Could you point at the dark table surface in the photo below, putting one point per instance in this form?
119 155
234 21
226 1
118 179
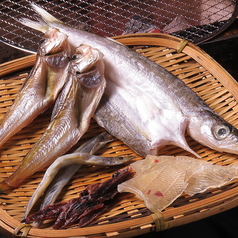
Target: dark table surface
224 49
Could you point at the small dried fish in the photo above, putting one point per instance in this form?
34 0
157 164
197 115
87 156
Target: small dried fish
62 178
78 158
64 175
42 85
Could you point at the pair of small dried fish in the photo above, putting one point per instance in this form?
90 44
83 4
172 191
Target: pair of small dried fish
75 86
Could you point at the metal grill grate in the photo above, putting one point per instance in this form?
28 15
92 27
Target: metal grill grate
195 20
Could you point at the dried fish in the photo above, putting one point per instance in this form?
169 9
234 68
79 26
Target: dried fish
42 85
81 157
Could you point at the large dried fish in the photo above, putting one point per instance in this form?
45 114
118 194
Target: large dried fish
144 105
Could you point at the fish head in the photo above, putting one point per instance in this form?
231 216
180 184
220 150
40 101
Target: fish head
87 67
214 132
53 42
85 57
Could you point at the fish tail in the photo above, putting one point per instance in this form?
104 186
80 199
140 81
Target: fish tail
44 21
39 25
16 178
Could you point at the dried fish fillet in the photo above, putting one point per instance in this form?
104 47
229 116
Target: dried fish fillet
160 180
210 176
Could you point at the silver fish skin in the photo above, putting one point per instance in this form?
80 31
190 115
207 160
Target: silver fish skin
71 116
41 87
144 105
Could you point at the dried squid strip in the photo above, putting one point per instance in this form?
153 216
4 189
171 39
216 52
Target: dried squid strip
94 200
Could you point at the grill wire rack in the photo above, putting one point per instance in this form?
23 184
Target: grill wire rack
196 20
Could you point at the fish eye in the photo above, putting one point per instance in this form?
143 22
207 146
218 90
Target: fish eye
221 131
77 56
74 57
42 41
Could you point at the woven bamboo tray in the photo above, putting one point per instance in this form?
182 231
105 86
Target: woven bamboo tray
128 217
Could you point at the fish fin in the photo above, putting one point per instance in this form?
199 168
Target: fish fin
47 17
43 22
16 47
4 187
61 99
167 133
39 25
180 139
182 143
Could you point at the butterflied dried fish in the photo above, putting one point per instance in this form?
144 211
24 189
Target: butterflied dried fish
71 116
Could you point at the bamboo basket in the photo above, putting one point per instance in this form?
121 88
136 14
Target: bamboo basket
128 217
